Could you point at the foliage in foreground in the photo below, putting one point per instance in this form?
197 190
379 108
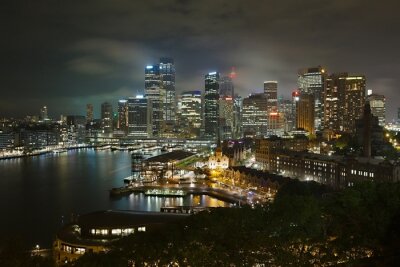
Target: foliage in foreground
304 226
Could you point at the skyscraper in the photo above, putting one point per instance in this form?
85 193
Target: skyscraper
226 88
107 117
377 105
156 95
190 110
167 77
89 113
344 102
43 113
313 81
122 124
305 112
271 93
226 115
140 117
211 105
255 115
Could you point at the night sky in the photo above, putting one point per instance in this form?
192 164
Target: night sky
66 53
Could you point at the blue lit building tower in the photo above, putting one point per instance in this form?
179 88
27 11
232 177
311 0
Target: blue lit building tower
211 107
167 77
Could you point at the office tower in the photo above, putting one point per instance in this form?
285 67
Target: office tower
107 117
190 110
226 115
152 77
238 108
275 126
122 123
344 102
140 117
288 109
271 93
157 97
89 113
305 112
226 88
167 77
377 105
43 113
211 107
313 81
255 115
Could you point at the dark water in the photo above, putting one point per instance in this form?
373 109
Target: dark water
39 194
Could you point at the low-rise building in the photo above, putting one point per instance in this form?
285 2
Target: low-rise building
95 232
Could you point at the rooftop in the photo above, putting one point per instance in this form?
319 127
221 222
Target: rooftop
171 156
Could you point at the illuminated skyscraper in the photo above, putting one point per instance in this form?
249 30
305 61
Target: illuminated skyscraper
344 102
167 77
190 110
377 104
107 117
255 115
139 117
156 95
160 88
122 124
271 93
89 113
227 116
211 105
305 113
43 113
313 81
226 88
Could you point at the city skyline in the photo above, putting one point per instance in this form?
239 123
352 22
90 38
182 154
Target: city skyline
56 57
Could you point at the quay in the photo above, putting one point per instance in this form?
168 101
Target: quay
165 191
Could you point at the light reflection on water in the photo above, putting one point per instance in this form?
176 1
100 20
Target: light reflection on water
38 193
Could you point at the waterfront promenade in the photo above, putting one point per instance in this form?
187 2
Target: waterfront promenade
236 196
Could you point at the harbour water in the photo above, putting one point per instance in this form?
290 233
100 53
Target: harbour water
39 194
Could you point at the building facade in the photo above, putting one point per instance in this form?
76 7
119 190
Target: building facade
255 115
313 81
344 103
211 105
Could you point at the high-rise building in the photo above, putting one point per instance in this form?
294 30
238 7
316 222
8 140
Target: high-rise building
226 115
89 113
107 117
140 117
43 113
238 108
377 104
190 110
226 88
167 77
152 77
255 115
160 88
122 123
344 102
271 93
313 81
305 112
211 105
288 109
157 97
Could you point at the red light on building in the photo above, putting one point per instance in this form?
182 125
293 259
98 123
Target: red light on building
296 93
232 75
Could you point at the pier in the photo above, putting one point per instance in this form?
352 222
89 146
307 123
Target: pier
180 191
